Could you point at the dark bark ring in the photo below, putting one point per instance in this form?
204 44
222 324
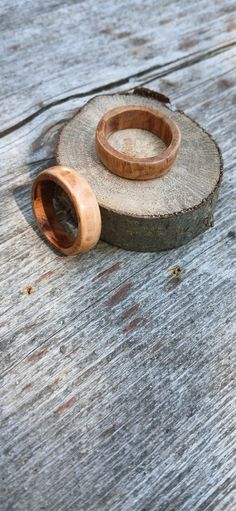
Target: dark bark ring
85 205
137 116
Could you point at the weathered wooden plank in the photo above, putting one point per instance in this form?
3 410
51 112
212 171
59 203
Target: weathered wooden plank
53 46
25 247
119 386
173 357
36 141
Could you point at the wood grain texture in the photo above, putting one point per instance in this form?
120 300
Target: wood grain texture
128 165
118 369
156 214
83 202
80 35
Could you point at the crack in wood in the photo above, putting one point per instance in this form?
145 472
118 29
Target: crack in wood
108 87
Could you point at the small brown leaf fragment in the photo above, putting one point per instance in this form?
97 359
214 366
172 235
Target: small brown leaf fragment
117 297
225 83
139 41
109 431
231 26
109 270
106 30
187 44
131 310
132 324
15 47
66 405
45 276
156 346
27 387
37 355
164 21
28 290
176 271
125 33
144 91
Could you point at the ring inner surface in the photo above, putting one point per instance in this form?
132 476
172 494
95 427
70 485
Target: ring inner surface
51 218
139 119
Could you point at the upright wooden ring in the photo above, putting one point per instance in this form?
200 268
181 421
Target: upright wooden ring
137 116
85 205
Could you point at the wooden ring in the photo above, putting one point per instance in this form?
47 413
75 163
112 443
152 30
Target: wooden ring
85 205
137 116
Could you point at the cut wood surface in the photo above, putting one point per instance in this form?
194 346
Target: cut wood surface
157 214
118 369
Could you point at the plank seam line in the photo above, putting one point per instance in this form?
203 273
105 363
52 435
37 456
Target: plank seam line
183 64
196 57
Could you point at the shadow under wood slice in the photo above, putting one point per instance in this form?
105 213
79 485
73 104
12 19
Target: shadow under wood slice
153 215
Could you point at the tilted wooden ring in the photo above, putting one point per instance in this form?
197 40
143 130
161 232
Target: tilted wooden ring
85 205
137 116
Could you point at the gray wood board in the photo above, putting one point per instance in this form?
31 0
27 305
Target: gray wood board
118 377
56 50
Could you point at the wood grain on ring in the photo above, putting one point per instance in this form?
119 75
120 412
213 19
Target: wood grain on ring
137 116
85 205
